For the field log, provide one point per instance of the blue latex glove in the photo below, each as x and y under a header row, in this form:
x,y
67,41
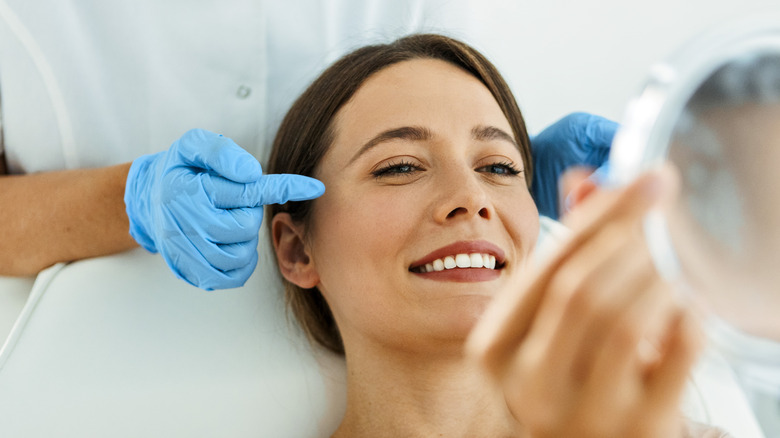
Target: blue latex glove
x,y
578,139
200,204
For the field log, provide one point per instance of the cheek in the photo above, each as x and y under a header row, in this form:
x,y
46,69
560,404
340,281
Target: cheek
x,y
355,248
361,228
521,218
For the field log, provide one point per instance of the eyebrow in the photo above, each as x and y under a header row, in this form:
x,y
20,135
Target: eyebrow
x,y
487,133
420,133
412,133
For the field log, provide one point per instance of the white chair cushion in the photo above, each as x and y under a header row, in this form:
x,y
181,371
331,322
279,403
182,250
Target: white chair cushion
x,y
118,347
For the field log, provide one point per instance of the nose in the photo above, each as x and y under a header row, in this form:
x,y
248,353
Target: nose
x,y
462,197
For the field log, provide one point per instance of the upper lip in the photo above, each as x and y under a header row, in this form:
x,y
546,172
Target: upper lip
x,y
463,247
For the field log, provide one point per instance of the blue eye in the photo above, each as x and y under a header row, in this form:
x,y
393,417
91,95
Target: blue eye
x,y
501,169
392,169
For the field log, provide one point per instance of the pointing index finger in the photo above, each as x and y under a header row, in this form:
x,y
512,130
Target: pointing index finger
x,y
278,189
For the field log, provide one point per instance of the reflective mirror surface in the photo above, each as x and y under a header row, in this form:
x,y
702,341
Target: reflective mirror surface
x,y
726,225
713,110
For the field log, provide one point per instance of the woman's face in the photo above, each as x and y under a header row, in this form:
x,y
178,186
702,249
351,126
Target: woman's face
x,y
423,173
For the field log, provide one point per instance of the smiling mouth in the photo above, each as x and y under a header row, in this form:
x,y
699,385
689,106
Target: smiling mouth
x,y
460,261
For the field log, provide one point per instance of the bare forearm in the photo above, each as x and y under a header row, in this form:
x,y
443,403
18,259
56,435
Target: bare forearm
x,y
61,216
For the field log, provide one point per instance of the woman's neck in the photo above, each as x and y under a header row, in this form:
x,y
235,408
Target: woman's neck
x,y
396,393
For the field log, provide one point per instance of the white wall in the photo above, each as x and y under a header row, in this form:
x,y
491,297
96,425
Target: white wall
x,y
561,56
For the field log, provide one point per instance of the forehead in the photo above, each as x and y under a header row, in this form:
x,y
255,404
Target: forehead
x,y
426,92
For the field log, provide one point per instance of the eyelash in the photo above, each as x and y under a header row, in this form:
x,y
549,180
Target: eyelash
x,y
508,166
391,169
395,169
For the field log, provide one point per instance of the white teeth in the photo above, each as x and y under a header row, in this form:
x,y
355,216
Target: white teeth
x,y
473,260
476,260
449,262
463,261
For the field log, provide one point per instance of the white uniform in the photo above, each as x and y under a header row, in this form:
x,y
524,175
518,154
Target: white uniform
x,y
93,82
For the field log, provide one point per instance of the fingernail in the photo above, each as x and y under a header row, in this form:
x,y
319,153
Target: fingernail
x,y
567,203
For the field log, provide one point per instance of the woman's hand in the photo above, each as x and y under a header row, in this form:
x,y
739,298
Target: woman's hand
x,y
594,344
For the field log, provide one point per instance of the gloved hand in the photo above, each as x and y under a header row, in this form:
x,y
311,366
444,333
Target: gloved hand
x,y
200,204
578,139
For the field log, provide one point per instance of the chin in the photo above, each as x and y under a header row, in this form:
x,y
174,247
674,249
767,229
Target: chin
x,y
441,327
464,317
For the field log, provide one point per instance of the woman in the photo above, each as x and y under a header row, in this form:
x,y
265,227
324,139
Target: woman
x,y
427,218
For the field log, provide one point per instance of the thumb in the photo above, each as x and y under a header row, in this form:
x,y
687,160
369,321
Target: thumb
x,y
214,152
657,187
278,189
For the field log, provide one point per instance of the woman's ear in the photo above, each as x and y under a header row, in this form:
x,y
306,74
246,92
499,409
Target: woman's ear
x,y
295,263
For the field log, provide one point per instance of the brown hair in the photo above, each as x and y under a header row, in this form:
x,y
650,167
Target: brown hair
x,y
306,134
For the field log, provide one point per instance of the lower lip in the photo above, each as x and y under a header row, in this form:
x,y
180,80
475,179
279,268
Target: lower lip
x,y
469,275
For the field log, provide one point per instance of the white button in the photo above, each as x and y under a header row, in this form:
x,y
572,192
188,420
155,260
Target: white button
x,y
243,92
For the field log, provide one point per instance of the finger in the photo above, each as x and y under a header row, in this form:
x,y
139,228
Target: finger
x,y
233,225
583,314
569,303
507,320
654,188
225,251
615,287
583,302
225,194
654,409
229,257
615,382
683,343
213,212
278,189
217,236
238,277
213,152
191,266
187,262
617,377
269,189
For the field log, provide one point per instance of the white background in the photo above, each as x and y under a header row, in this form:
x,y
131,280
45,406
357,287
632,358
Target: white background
x,y
562,56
